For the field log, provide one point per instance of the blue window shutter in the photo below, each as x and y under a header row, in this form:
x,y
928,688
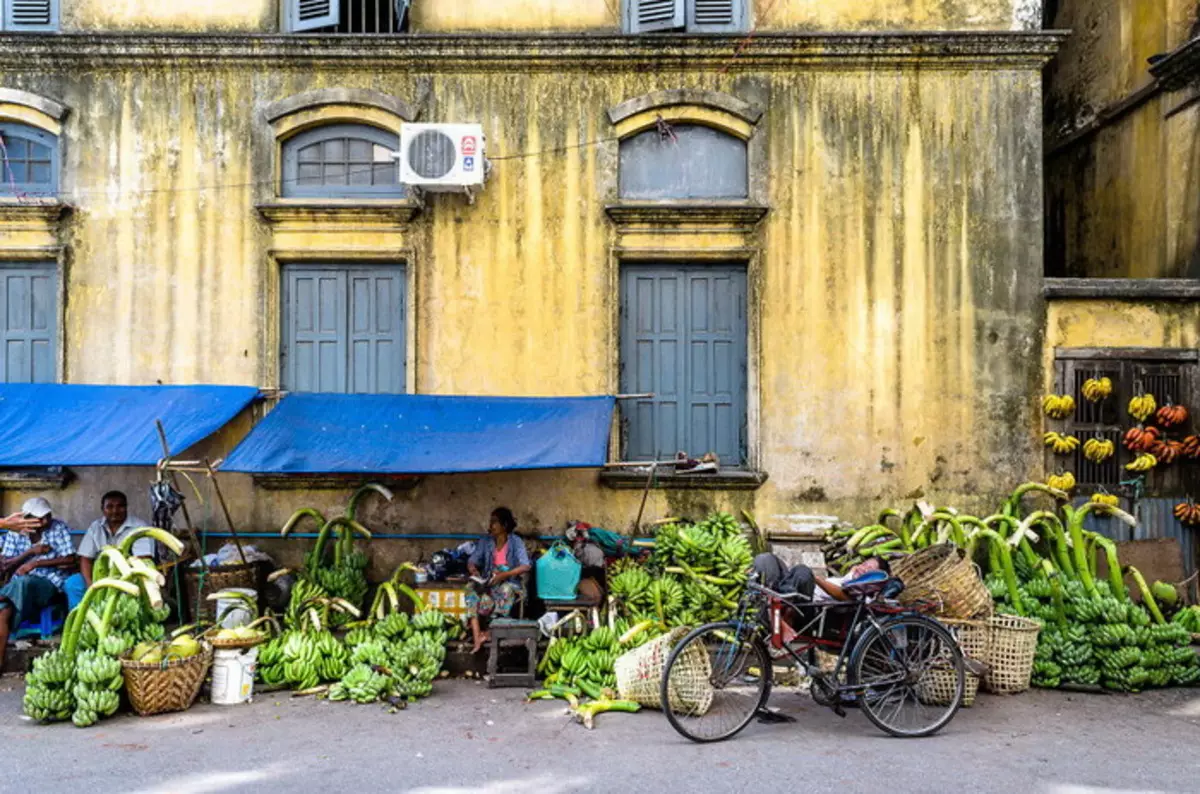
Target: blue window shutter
x,y
29,322
683,338
30,15
315,330
377,336
312,14
718,16
344,329
647,16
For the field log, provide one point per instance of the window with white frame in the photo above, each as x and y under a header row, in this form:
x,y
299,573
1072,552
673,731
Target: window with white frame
x,y
33,16
28,161
345,16
341,161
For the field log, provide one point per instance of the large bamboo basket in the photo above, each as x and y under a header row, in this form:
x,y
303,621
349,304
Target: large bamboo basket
x,y
937,688
1012,642
942,574
214,580
640,671
166,686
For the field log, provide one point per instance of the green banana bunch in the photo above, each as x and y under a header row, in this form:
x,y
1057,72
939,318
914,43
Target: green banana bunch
x,y
1046,674
631,586
361,684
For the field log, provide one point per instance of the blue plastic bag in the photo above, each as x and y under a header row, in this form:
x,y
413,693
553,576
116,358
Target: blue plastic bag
x,y
558,574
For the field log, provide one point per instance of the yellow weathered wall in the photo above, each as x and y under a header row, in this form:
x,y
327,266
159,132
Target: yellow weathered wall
x,y
206,16
895,297
557,15
1122,202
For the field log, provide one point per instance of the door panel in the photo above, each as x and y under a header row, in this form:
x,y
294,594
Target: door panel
x,y
29,322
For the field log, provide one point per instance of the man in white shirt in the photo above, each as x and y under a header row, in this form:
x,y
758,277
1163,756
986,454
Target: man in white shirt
x,y
110,531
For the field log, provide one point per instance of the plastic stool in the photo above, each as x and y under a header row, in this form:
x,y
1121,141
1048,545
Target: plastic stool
x,y
47,625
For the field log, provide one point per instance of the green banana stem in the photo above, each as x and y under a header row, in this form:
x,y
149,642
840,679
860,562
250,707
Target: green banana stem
x,y
887,513
1147,596
912,519
1115,580
70,639
322,538
1007,523
1012,507
884,548
1057,540
956,531
300,515
352,505
1082,569
865,534
1056,594
166,538
1006,566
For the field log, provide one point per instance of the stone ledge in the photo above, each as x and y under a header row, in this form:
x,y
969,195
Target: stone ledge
x,y
572,52
1180,67
340,211
328,482
36,211
625,479
1132,289
740,214
51,478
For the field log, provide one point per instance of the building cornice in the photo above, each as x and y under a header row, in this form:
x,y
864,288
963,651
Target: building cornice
x,y
1180,67
427,53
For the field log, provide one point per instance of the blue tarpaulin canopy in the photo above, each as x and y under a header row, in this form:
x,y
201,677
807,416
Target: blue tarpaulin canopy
x,y
54,424
424,434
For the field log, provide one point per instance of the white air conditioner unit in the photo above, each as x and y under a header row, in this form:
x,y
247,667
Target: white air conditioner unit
x,y
442,157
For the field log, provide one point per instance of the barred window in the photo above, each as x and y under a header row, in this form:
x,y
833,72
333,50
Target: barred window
x,y
342,161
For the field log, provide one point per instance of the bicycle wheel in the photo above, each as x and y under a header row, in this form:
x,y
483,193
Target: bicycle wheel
x,y
714,681
911,676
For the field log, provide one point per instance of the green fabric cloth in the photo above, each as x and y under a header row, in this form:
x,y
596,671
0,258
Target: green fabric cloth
x,y
28,595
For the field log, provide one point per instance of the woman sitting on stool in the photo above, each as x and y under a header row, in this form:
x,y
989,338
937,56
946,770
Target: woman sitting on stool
x,y
500,560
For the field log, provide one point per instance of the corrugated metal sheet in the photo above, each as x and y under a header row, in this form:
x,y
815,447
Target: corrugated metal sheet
x,y
1156,519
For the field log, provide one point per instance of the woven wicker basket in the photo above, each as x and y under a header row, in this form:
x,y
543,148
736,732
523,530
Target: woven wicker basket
x,y
937,688
943,574
214,581
235,644
167,686
1012,641
640,672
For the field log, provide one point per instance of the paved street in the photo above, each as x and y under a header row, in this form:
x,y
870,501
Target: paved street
x,y
467,738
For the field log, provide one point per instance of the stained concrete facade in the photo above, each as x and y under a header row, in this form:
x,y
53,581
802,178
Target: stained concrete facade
x,y
892,235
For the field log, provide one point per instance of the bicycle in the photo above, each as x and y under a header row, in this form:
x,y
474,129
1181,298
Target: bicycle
x,y
898,665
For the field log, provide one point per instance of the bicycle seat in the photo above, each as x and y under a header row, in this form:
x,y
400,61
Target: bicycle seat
x,y
868,584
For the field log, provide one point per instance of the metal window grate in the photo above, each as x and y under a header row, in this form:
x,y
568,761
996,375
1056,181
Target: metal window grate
x,y
1164,386
372,16
1107,472
1104,412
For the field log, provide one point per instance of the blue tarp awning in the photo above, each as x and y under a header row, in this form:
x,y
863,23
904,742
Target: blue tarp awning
x,y
57,424
424,434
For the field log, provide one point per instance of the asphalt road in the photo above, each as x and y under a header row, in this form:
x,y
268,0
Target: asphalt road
x,y
467,738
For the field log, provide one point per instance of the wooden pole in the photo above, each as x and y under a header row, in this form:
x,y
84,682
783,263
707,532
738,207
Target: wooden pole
x,y
212,475
187,519
637,525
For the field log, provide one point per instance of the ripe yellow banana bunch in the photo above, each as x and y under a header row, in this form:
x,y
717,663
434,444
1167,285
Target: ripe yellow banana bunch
x,y
1058,406
1061,444
1143,462
1110,500
1142,406
1062,482
1098,449
1095,390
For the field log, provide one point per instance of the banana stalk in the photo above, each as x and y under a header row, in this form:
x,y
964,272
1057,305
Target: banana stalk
x,y
1115,580
71,639
166,538
298,516
352,505
1056,540
1056,594
1006,565
1147,596
1013,506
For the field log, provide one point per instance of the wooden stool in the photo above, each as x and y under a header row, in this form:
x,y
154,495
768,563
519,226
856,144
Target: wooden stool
x,y
509,633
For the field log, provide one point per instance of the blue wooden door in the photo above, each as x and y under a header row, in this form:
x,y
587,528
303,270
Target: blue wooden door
x,y
343,329
683,338
29,319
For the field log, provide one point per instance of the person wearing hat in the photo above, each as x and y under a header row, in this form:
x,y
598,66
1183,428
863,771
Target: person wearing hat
x,y
36,559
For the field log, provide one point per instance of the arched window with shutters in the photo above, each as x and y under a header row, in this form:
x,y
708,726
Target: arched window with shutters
x,y
692,16
28,161
341,161
683,161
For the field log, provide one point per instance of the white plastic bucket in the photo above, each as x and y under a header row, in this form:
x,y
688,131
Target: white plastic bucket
x,y
233,676
239,614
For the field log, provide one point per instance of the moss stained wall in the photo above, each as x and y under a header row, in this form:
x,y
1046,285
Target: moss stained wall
x,y
895,278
